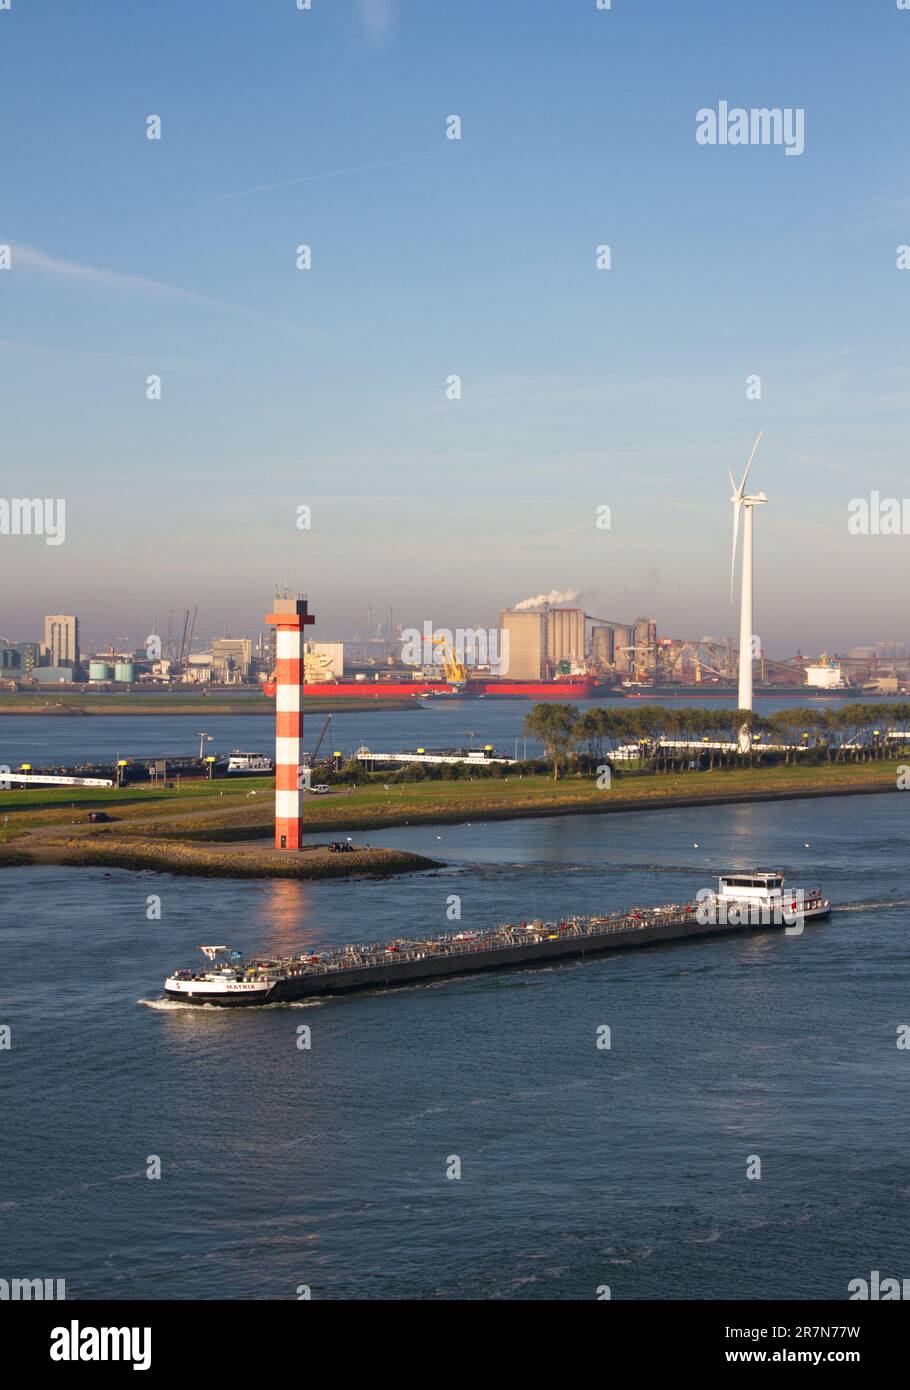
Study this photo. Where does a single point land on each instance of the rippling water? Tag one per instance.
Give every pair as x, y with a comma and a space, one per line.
580, 1167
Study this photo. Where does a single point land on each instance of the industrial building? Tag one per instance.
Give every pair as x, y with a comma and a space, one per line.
231, 659
52, 675
198, 668
603, 646
547, 642
565, 639
645, 644
524, 638
19, 658
61, 640
623, 643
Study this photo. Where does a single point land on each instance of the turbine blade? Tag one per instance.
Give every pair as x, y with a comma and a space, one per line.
737, 508
742, 486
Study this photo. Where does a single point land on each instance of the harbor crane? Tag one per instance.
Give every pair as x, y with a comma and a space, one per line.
310, 758
454, 670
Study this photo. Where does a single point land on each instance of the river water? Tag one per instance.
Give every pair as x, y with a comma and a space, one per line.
63, 740
326, 1167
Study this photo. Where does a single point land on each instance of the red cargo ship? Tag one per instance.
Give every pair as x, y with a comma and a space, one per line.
566, 688
562, 688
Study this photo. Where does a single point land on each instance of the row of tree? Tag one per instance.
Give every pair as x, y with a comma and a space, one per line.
846, 733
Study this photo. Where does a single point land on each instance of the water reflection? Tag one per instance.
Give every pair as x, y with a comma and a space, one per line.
285, 917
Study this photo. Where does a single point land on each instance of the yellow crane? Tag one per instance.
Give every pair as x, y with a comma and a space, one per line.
455, 671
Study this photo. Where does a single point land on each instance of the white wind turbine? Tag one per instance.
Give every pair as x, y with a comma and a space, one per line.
743, 502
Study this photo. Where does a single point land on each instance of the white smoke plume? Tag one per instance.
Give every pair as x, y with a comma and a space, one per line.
542, 600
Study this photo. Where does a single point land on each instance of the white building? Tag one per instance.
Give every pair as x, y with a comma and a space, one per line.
198, 668
323, 661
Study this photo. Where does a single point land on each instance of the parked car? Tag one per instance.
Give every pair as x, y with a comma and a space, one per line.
321, 789
96, 816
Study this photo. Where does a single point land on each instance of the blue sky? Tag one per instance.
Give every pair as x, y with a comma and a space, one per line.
433, 257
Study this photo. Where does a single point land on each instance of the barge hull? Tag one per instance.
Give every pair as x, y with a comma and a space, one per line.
503, 958
569, 689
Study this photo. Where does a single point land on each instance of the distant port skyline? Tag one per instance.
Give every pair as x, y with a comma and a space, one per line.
387, 633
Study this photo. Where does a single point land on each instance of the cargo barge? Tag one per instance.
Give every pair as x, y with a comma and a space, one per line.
742, 902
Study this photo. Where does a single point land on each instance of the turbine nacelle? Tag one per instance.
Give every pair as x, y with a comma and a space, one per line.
740, 500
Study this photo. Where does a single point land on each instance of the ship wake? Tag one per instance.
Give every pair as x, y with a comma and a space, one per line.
183, 1006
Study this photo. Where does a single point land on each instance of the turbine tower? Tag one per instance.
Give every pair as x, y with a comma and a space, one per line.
742, 502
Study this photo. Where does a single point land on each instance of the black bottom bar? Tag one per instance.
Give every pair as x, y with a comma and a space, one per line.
215, 1339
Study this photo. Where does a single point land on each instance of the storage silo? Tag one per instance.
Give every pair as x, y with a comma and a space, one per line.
623, 638
124, 671
602, 646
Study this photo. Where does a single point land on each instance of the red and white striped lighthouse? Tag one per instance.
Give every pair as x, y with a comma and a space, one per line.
289, 617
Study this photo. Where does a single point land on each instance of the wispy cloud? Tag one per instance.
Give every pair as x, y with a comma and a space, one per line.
887, 211
314, 178
11, 345
378, 19
30, 258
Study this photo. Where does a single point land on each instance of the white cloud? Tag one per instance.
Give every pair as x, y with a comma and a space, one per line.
33, 259
30, 258
12, 345
378, 19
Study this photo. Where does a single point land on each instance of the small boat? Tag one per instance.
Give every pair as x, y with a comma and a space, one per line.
251, 764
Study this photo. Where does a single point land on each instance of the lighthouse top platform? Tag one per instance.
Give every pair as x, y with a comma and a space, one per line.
289, 612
